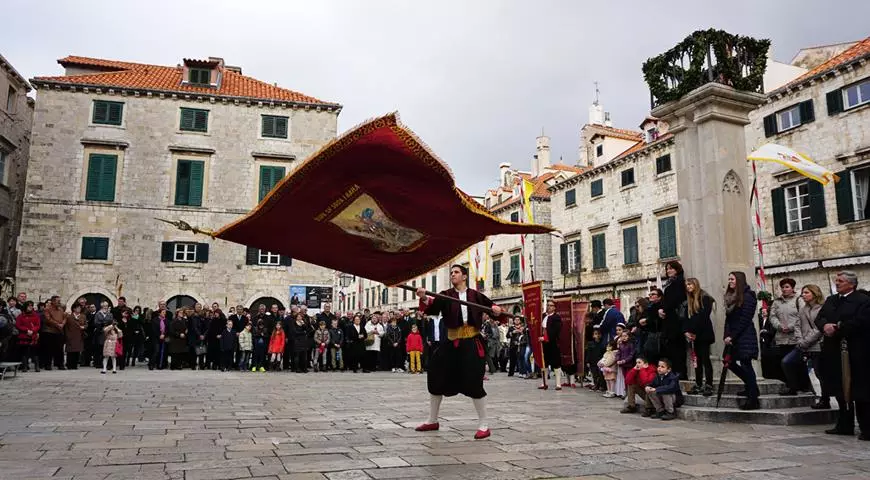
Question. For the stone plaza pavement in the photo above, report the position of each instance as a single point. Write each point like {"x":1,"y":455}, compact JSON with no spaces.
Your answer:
{"x":211,"y":425}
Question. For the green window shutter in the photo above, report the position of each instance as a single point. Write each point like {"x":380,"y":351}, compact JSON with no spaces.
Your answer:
{"x":116,"y":110}
{"x":434,"y":283}
{"x":285,"y":261}
{"x":182,"y":183}
{"x":200,"y":121}
{"x":667,"y":237}
{"x":101,"y":248}
{"x":100,"y":184}
{"x":570,"y":197}
{"x":835,"y":102}
{"x":281,"y":127}
{"x":780,"y":223}
{"x":187,"y":119}
{"x":101,"y":112}
{"x":252,"y":256}
{"x":818,"y":215}
{"x":770,"y":125}
{"x":597,"y":188}
{"x":629,"y":245}
{"x":807,"y":111}
{"x":269,"y":177}
{"x":563,"y":258}
{"x":167,"y":251}
{"x":843,"y":191}
{"x":576,"y":244}
{"x":201,"y":253}
{"x":197,"y":170}
{"x":599,"y":253}
{"x":88,"y":248}
{"x":194,"y":120}
{"x":268,"y":125}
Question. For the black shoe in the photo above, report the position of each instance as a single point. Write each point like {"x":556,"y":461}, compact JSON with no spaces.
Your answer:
{"x":668,"y":416}
{"x":628,"y":410}
{"x":837,"y":431}
{"x":647,"y":413}
{"x":696,"y":390}
{"x":751,"y":404}
{"x":742,"y":393}
{"x":707,"y":391}
{"x":822,"y":405}
{"x":657,"y":415}
{"x":864,"y":437}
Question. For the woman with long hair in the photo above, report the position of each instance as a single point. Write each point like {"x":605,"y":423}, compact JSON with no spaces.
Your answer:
{"x":700,"y":335}
{"x":808,"y":346}
{"x":740,"y":335}
{"x":673,"y":341}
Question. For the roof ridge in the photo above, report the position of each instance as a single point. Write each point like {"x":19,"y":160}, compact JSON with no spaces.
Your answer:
{"x":77,"y":59}
{"x":851,"y":53}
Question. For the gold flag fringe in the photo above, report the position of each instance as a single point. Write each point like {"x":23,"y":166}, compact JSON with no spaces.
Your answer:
{"x":184,"y":226}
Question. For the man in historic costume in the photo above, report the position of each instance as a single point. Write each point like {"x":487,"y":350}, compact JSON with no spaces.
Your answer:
{"x":457,"y":365}
{"x":551,"y":330}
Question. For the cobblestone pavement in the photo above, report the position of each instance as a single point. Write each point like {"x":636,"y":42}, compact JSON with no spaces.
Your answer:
{"x":210,"y":425}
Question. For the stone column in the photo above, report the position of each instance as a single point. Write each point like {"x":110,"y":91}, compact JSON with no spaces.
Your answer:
{"x":713,"y":185}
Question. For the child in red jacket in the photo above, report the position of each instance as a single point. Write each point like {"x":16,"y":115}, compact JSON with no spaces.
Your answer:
{"x":28,"y":325}
{"x":636,"y":380}
{"x":414,"y":344}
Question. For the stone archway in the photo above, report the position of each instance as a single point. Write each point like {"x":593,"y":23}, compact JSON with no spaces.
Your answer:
{"x":267,"y":301}
{"x":179,"y":301}
{"x":95,"y":294}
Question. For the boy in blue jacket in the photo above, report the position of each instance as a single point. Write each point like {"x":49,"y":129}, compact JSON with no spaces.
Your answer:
{"x":663,"y":391}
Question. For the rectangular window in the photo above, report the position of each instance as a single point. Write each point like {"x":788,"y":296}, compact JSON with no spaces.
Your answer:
{"x":3,"y":156}
{"x":514,"y":274}
{"x":861,"y":188}
{"x":95,"y":248}
{"x":515,"y":216}
{"x":663,"y":164}
{"x":797,"y":207}
{"x":188,"y":182}
{"x":108,"y":113}
{"x":274,"y":127}
{"x":668,"y":237}
{"x":496,"y":272}
{"x":200,"y":76}
{"x":627,"y":177}
{"x":599,"y":150}
{"x":100,"y":184}
{"x":597,"y":188}
{"x":569,"y":257}
{"x":269,"y":258}
{"x":194,"y":120}
{"x":570,"y":198}
{"x":434,"y":283}
{"x":269,"y":177}
{"x":789,"y":118}
{"x":651,"y":135}
{"x":423,"y":282}
{"x":10,"y":100}
{"x":857,"y":94}
{"x":599,"y":252}
{"x":629,"y":246}
{"x":184,"y":253}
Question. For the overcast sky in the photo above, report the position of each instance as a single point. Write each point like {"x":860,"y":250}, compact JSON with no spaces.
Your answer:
{"x":477,"y":80}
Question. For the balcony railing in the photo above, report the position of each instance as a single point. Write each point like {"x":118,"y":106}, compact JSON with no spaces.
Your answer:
{"x":706,"y":56}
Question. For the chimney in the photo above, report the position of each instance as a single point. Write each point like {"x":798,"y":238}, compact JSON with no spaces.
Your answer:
{"x":503,"y":171}
{"x":542,"y":157}
{"x":607,"y":122}
{"x":596,"y":114}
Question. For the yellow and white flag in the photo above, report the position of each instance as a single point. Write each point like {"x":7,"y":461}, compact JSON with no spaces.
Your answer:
{"x":794,"y":160}
{"x":528,"y":190}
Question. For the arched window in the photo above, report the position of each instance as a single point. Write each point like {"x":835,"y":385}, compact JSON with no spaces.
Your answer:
{"x":268,"y":302}
{"x":179,"y":301}
{"x":95,"y":299}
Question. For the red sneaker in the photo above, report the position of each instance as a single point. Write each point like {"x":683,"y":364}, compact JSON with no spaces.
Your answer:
{"x":481,"y":434}
{"x":542,"y":387}
{"x":573,"y":385}
{"x":566,"y":384}
{"x":428,"y":427}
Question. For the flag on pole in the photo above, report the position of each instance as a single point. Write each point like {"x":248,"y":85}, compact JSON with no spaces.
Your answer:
{"x":794,"y":160}
{"x":528,"y":190}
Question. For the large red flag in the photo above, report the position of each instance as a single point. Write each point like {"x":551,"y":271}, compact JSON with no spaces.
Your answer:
{"x":375,"y":203}
{"x":533,"y":309}
{"x":566,"y":336}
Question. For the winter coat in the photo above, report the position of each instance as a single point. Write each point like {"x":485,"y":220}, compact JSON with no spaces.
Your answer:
{"x":851,"y":316}
{"x":811,"y":336}
{"x":625,"y":353}
{"x":74,"y":331}
{"x":277,"y":341}
{"x":701,"y":324}
{"x":301,"y":341}
{"x":740,"y":326}
{"x":227,"y":340}
{"x":784,"y":313}
{"x":54,"y":319}
{"x":414,"y":342}
{"x":197,"y":326}
{"x":609,"y":320}
{"x":111,"y":336}
{"x":608,"y":361}
{"x":321,"y":336}
{"x":246,"y":341}
{"x":393,"y":335}
{"x":28,"y":321}
{"x":674,"y":296}
{"x":177,"y":343}
{"x":642,"y":376}
{"x":336,"y":337}
{"x":667,"y":384}
{"x":101,"y":321}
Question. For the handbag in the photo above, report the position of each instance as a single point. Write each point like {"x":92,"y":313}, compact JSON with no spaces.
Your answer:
{"x":200,"y":349}
{"x":119,"y":348}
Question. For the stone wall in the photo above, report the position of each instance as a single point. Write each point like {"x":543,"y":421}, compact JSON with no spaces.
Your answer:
{"x":836,"y":142}
{"x":56,"y":214}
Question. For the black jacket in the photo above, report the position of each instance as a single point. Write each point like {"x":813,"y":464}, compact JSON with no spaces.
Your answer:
{"x":852,"y":317}
{"x":228,"y":340}
{"x":674,"y":296}
{"x":701,"y":324}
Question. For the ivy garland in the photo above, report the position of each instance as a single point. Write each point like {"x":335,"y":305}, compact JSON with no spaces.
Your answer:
{"x":741,"y":62}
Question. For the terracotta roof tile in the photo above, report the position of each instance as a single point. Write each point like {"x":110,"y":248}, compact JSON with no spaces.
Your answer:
{"x":540,"y":191}
{"x":617,"y":132}
{"x":567,"y":168}
{"x":642,"y":145}
{"x":860,"y":49}
{"x":168,"y":79}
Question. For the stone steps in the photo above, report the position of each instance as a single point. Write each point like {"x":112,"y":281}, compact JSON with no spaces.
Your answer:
{"x":767,"y":401}
{"x":732,"y":386}
{"x":779,"y":416}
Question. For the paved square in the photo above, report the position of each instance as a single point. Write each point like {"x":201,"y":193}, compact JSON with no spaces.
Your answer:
{"x":208,"y":425}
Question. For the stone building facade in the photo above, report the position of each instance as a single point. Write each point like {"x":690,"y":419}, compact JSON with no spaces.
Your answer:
{"x":811,"y":231}
{"x":618,"y":219}
{"x":117,"y":145}
{"x":16,"y":121}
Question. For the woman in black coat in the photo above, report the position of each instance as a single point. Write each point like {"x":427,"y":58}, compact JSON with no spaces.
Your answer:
{"x":178,"y":347}
{"x":740,"y":335}
{"x":354,"y":344}
{"x":673,"y":340}
{"x":301,"y":343}
{"x":698,"y":329}
{"x":550,"y":334}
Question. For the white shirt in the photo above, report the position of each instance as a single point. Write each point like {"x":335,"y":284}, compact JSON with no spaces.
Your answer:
{"x":436,"y":330}
{"x":463,"y":295}
{"x":370,"y":329}
{"x":544,"y":322}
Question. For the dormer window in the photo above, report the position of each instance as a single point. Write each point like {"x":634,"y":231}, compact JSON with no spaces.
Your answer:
{"x":651,"y":134}
{"x":200,"y":76}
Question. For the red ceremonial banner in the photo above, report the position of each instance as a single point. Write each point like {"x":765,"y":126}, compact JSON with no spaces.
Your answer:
{"x":375,"y":203}
{"x":579,"y":308}
{"x":566,"y":338}
{"x":532,"y":308}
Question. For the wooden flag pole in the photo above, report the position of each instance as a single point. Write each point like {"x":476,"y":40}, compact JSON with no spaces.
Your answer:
{"x":446,"y":297}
